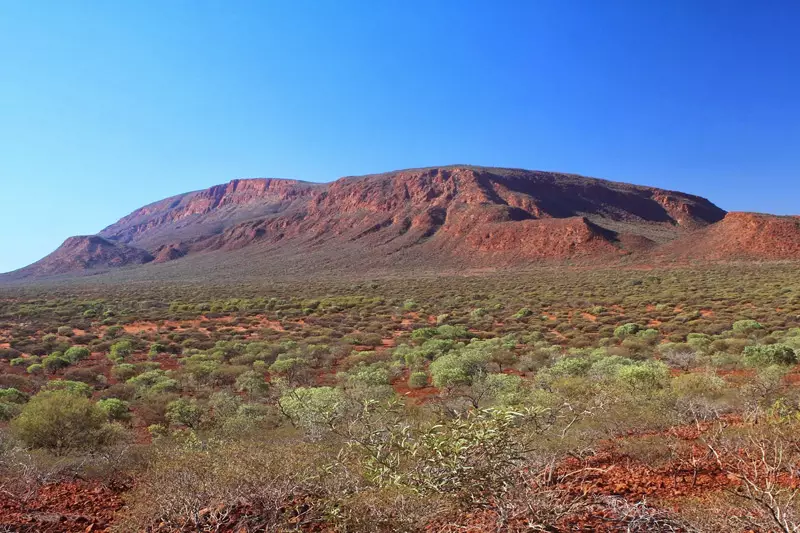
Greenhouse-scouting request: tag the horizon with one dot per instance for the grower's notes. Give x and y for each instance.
(115, 107)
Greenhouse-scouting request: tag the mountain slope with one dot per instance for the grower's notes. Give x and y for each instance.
(80, 254)
(464, 216)
(739, 236)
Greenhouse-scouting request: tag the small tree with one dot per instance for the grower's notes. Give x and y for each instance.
(252, 383)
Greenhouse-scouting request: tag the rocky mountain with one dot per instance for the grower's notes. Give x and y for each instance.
(84, 253)
(461, 215)
(739, 236)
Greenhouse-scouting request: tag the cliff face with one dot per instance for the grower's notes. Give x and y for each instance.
(472, 216)
(480, 214)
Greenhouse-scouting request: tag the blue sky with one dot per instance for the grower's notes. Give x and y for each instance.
(106, 106)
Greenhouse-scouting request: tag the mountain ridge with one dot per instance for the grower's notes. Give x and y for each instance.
(461, 214)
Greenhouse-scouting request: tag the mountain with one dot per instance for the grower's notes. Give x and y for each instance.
(457, 216)
(83, 253)
(739, 236)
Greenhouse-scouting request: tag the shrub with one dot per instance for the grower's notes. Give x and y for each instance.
(645, 376)
(120, 350)
(184, 412)
(418, 380)
(12, 395)
(522, 313)
(314, 409)
(626, 329)
(77, 353)
(368, 375)
(765, 355)
(252, 383)
(156, 348)
(60, 420)
(36, 368)
(458, 368)
(123, 371)
(74, 387)
(55, 361)
(746, 326)
(115, 409)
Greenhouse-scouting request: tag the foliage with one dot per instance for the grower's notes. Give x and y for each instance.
(61, 421)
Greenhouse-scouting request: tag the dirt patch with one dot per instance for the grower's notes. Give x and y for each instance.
(67, 507)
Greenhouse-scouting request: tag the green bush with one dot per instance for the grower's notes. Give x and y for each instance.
(77, 353)
(60, 420)
(626, 329)
(123, 371)
(12, 395)
(765, 355)
(185, 412)
(460, 367)
(115, 409)
(418, 380)
(120, 350)
(522, 313)
(73, 387)
(55, 361)
(746, 326)
(314, 409)
(252, 383)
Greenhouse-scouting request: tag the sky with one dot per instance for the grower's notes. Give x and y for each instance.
(106, 106)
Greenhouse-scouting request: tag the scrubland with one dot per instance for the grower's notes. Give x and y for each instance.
(541, 400)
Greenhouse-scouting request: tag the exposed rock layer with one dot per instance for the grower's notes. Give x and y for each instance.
(471, 216)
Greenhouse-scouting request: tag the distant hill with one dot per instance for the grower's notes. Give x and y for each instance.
(462, 216)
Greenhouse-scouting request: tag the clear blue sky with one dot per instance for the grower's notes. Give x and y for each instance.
(108, 105)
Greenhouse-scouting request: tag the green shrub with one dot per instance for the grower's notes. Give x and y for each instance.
(252, 383)
(746, 326)
(61, 421)
(418, 380)
(77, 353)
(522, 313)
(156, 348)
(12, 395)
(120, 350)
(647, 376)
(459, 367)
(368, 375)
(184, 412)
(55, 361)
(626, 329)
(314, 409)
(765, 355)
(73, 387)
(115, 409)
(123, 371)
